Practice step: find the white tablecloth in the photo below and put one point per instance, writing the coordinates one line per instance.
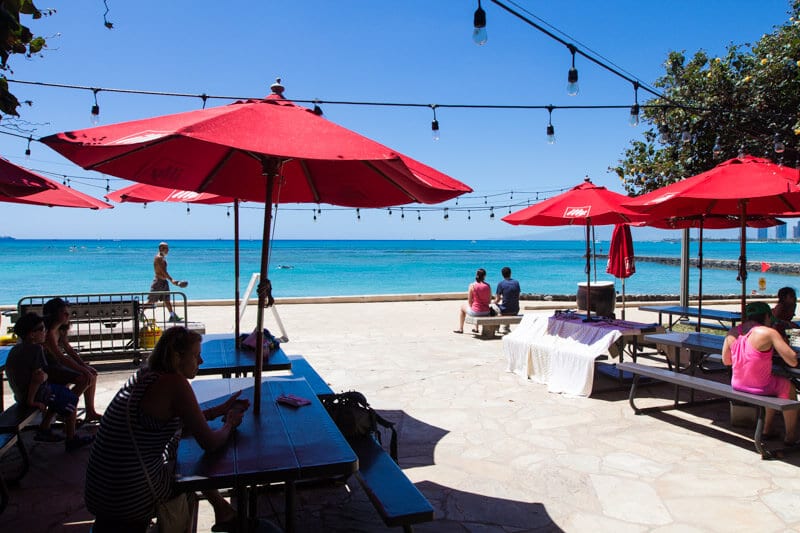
(558, 352)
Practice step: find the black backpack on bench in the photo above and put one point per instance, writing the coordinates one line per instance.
(356, 419)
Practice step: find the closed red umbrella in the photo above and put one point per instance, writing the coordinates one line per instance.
(22, 186)
(269, 151)
(587, 205)
(740, 187)
(621, 263)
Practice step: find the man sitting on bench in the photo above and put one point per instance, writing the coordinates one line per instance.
(749, 347)
(506, 299)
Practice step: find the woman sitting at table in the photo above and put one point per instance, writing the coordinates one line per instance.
(478, 298)
(749, 347)
(131, 466)
(783, 312)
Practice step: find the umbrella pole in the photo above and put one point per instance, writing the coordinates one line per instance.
(588, 276)
(270, 170)
(700, 277)
(623, 298)
(743, 254)
(236, 265)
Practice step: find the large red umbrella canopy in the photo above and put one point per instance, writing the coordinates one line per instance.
(22, 186)
(743, 186)
(587, 205)
(764, 187)
(222, 150)
(267, 151)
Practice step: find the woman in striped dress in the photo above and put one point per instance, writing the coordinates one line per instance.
(141, 429)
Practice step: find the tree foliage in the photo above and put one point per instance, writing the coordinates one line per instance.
(714, 108)
(16, 38)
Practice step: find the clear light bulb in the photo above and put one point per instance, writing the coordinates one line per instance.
(551, 134)
(435, 130)
(479, 35)
(633, 119)
(572, 82)
(94, 117)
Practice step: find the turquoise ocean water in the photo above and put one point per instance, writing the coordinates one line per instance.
(329, 268)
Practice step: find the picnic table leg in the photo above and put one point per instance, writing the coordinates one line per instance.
(632, 394)
(290, 494)
(765, 454)
(241, 504)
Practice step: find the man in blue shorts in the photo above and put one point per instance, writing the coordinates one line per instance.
(26, 375)
(507, 295)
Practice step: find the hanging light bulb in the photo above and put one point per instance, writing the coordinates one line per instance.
(572, 75)
(446, 214)
(469, 214)
(390, 211)
(358, 213)
(95, 113)
(435, 124)
(108, 186)
(551, 131)
(228, 212)
(778, 145)
(479, 35)
(314, 213)
(419, 217)
(402, 213)
(317, 109)
(28, 148)
(741, 151)
(188, 210)
(663, 134)
(717, 149)
(633, 119)
(491, 212)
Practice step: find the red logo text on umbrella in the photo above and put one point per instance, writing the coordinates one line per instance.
(577, 212)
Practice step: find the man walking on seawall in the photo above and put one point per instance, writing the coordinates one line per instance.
(162, 280)
(507, 296)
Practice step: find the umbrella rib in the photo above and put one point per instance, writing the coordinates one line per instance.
(95, 166)
(309, 181)
(414, 199)
(211, 175)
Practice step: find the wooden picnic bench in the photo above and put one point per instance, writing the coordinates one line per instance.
(714, 388)
(12, 421)
(397, 500)
(489, 324)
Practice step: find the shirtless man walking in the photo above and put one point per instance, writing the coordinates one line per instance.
(162, 280)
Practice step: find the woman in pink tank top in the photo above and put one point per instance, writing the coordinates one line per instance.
(748, 348)
(478, 298)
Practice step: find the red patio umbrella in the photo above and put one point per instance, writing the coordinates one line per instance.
(142, 193)
(740, 187)
(269, 151)
(22, 186)
(587, 205)
(621, 263)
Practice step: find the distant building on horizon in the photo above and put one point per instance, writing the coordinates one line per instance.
(762, 234)
(780, 232)
(796, 230)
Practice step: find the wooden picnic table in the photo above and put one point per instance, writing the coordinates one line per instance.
(725, 319)
(280, 444)
(222, 357)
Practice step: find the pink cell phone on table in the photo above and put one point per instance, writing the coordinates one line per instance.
(293, 400)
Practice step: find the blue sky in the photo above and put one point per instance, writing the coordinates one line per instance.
(417, 51)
